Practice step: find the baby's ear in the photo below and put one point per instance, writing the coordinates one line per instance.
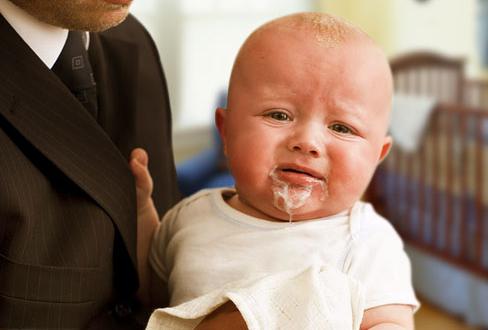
(385, 149)
(220, 116)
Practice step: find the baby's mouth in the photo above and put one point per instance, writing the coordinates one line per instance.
(292, 186)
(299, 175)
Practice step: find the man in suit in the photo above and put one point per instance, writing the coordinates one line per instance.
(67, 198)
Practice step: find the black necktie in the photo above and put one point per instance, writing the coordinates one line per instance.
(74, 70)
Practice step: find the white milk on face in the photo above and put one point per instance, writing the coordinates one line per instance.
(289, 197)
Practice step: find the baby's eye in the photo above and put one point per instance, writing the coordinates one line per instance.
(339, 128)
(278, 115)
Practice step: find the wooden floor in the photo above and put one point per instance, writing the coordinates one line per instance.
(431, 318)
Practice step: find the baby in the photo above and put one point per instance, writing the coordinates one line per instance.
(304, 130)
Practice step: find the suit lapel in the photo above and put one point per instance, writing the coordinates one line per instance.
(116, 78)
(41, 108)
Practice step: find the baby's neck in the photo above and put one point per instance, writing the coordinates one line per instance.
(236, 203)
(240, 205)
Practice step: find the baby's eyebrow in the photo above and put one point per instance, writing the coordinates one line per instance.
(349, 108)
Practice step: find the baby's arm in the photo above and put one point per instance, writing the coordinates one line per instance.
(391, 317)
(147, 219)
(226, 317)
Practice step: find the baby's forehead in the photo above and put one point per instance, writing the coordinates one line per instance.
(276, 52)
(327, 30)
(287, 47)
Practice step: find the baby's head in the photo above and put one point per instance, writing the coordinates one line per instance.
(308, 110)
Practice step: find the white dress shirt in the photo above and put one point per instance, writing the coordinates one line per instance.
(47, 41)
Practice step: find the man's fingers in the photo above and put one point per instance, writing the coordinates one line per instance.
(140, 155)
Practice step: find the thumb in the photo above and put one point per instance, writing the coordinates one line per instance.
(138, 165)
(140, 155)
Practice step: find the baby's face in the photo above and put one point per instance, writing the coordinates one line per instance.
(302, 115)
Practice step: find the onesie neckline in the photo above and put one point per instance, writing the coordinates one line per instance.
(231, 214)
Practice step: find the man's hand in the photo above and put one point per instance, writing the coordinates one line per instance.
(226, 317)
(147, 219)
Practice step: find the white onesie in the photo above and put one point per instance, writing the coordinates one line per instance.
(203, 245)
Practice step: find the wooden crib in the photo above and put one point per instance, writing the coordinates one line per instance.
(437, 196)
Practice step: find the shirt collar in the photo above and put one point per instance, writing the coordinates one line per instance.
(46, 40)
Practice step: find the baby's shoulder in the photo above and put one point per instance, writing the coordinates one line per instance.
(372, 228)
(198, 196)
(196, 204)
(375, 244)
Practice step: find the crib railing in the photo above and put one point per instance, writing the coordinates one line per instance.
(476, 93)
(437, 196)
(429, 74)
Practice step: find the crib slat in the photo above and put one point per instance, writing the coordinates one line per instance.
(404, 191)
(410, 191)
(421, 191)
(450, 186)
(479, 200)
(464, 194)
(436, 176)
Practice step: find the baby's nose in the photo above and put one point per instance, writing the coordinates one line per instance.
(306, 148)
(306, 144)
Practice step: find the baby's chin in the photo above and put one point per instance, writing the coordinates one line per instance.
(296, 205)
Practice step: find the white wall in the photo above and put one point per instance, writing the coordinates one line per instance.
(447, 26)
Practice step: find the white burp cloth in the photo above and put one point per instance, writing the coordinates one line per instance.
(316, 297)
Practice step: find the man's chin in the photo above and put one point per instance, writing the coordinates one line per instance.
(107, 24)
(86, 15)
(96, 24)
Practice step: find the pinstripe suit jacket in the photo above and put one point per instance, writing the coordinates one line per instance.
(67, 197)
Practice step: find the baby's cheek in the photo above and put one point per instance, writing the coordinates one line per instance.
(243, 173)
(350, 178)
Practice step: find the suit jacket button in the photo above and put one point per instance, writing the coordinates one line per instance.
(122, 310)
